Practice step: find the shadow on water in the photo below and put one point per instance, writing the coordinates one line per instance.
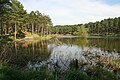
(20, 53)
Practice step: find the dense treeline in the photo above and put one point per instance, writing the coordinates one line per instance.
(105, 27)
(109, 26)
(65, 29)
(14, 19)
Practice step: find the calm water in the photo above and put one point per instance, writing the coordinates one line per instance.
(60, 50)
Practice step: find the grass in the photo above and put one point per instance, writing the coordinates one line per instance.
(25, 36)
(29, 36)
(37, 37)
(13, 73)
(8, 73)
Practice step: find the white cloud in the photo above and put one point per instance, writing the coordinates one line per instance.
(73, 11)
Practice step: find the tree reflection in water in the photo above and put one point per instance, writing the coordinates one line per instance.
(57, 54)
(62, 55)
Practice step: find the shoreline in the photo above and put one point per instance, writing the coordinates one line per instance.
(66, 36)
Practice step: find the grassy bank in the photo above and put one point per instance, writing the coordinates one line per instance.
(37, 37)
(24, 36)
(8, 73)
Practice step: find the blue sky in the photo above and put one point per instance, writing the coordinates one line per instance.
(64, 12)
(112, 2)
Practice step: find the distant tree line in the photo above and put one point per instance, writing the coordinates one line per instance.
(13, 18)
(104, 27)
(65, 29)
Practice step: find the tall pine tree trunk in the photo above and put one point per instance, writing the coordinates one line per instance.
(15, 31)
(32, 28)
(5, 29)
(28, 29)
(1, 28)
(42, 31)
(47, 31)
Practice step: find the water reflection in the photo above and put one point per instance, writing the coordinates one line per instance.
(20, 53)
(62, 55)
(76, 41)
(106, 44)
(58, 52)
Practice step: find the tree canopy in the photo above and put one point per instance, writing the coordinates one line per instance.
(110, 26)
(14, 18)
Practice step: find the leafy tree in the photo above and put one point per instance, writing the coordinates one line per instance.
(81, 31)
(14, 19)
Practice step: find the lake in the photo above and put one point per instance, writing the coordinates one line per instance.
(61, 50)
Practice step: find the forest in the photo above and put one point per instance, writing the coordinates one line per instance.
(33, 48)
(14, 19)
(104, 27)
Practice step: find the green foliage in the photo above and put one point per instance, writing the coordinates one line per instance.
(101, 74)
(14, 18)
(105, 27)
(65, 29)
(7, 73)
(19, 74)
(78, 30)
(5, 39)
(81, 31)
(76, 75)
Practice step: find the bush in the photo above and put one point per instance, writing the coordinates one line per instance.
(102, 74)
(81, 31)
(76, 75)
(7, 73)
(18, 74)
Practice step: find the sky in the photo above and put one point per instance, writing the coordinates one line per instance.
(69, 12)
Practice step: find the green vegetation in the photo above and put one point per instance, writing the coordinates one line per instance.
(14, 19)
(106, 27)
(17, 24)
(8, 73)
(17, 55)
(77, 30)
(64, 29)
(19, 74)
(81, 31)
(109, 26)
(29, 36)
